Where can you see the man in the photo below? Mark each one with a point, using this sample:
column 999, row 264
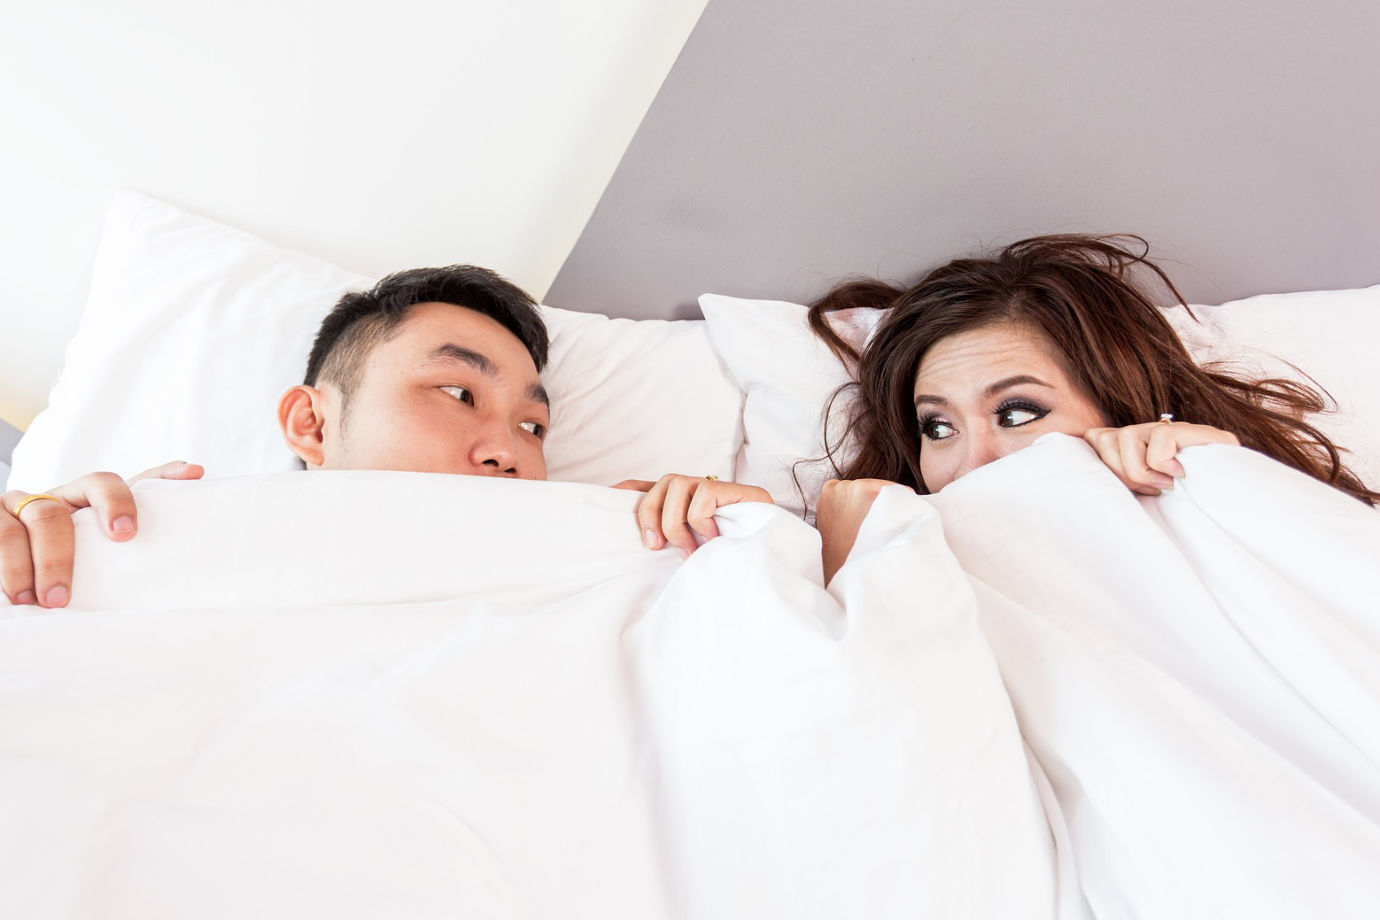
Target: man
column 432, row 370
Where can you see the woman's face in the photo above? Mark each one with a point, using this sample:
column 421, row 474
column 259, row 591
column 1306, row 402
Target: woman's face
column 983, row 394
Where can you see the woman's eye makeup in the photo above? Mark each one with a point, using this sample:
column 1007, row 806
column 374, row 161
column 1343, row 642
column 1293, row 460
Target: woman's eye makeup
column 460, row 393
column 1011, row 414
column 1017, row 412
column 935, row 428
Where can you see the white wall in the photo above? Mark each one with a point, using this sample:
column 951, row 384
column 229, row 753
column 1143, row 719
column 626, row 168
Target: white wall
column 431, row 133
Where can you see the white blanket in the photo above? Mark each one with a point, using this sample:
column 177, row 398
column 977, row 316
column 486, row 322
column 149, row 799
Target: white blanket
column 1198, row 674
column 362, row 695
column 403, row 695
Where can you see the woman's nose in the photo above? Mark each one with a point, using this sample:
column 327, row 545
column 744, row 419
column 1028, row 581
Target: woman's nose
column 983, row 447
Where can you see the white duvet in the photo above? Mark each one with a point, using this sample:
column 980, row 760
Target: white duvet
column 405, row 695
column 1198, row 675
column 402, row 695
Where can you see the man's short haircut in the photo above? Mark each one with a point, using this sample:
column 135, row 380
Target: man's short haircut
column 361, row 320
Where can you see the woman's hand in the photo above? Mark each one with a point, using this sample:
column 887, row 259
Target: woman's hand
column 37, row 545
column 843, row 503
column 676, row 507
column 1142, row 456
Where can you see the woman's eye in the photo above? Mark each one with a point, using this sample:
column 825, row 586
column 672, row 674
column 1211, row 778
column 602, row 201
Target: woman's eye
column 1016, row 416
column 460, row 393
column 936, row 429
column 533, row 428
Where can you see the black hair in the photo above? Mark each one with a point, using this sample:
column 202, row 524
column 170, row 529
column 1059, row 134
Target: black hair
column 363, row 319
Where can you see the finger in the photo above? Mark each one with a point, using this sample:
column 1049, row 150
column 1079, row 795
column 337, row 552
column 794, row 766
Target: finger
column 1162, row 447
column 1133, row 441
column 649, row 514
column 1108, row 446
column 676, row 508
column 1103, row 440
column 634, row 485
column 1194, row 435
column 16, row 566
column 177, row 469
column 708, row 497
column 51, row 544
column 110, row 496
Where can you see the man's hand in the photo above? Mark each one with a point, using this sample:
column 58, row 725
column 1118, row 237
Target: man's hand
column 37, row 545
column 676, row 508
column 843, row 503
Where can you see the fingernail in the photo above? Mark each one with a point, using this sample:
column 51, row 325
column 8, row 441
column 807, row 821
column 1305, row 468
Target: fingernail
column 122, row 524
column 649, row 538
column 56, row 596
column 26, row 597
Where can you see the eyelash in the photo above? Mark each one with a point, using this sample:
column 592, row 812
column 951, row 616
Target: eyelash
column 928, row 421
column 1037, row 410
column 468, row 398
column 1011, row 404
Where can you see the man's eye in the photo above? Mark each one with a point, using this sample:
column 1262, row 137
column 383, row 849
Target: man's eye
column 534, row 428
column 460, row 393
column 1014, row 415
column 936, row 429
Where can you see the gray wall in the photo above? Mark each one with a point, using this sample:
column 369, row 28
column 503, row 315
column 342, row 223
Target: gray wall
column 797, row 141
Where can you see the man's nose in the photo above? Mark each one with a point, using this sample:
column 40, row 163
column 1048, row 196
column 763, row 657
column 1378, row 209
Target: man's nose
column 494, row 452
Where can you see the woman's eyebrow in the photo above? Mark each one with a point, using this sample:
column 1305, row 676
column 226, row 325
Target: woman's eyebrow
column 1007, row 383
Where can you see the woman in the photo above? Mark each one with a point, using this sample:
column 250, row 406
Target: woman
column 981, row 356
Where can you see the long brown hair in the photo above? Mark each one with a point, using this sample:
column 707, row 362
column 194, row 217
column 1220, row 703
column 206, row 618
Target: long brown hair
column 1118, row 348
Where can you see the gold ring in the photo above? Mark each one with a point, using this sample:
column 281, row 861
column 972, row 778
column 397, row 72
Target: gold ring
column 712, row 478
column 1166, row 418
column 36, row 497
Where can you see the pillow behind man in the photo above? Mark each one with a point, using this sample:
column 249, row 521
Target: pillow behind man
column 193, row 330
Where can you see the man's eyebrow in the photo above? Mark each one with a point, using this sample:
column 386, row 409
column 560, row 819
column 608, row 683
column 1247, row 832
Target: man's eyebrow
column 452, row 352
column 1005, row 383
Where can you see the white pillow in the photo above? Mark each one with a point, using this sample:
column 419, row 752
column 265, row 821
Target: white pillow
column 193, row 330
column 788, row 374
column 1329, row 336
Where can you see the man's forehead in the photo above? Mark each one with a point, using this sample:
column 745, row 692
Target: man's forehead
column 429, row 326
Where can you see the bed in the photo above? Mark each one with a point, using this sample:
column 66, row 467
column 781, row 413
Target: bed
column 1034, row 694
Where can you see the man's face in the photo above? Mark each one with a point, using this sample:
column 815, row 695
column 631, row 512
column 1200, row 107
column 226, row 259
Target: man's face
column 452, row 391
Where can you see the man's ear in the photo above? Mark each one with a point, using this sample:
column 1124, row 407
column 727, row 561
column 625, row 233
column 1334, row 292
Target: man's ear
column 302, row 417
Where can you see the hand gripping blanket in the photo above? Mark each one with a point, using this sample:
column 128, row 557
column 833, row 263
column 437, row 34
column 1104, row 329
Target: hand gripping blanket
column 1198, row 674
column 404, row 695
